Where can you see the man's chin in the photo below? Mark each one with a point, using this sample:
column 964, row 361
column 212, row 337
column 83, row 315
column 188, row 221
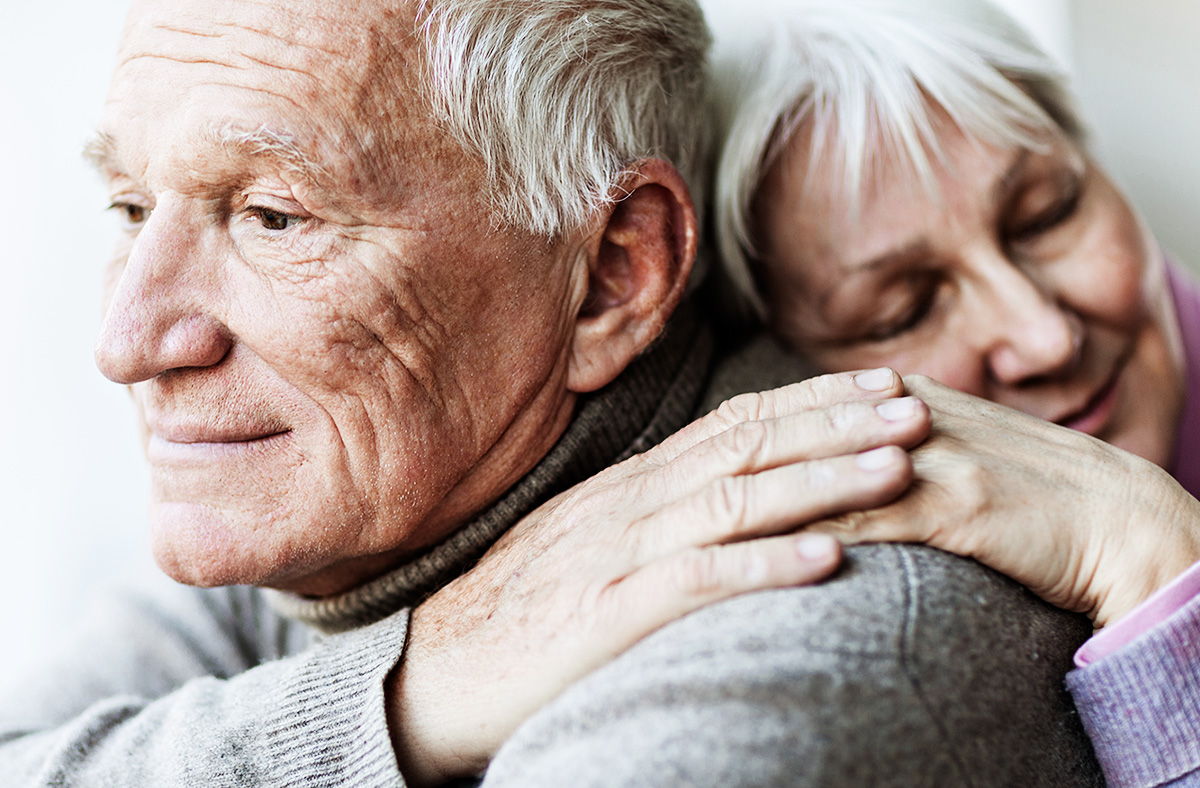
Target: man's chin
column 203, row 545
column 198, row 544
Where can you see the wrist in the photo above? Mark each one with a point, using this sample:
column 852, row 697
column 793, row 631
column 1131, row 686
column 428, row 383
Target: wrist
column 424, row 712
column 1160, row 541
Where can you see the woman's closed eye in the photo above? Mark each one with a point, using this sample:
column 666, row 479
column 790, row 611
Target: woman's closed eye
column 902, row 307
column 904, row 318
column 1036, row 216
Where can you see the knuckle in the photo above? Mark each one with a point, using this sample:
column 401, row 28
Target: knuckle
column 823, row 388
column 847, row 524
column 822, row 476
column 743, row 408
column 829, row 389
column 843, row 417
column 697, row 572
column 974, row 487
column 964, row 485
column 726, row 500
column 744, row 446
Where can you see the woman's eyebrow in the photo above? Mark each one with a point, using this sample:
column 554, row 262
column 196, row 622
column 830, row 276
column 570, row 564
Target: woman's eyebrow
column 1004, row 184
column 915, row 249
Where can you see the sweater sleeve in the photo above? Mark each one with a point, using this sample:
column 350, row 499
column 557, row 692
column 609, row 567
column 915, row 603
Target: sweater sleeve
column 911, row 668
column 1141, row 705
column 192, row 687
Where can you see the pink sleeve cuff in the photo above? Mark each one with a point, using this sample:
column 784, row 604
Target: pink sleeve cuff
column 1156, row 609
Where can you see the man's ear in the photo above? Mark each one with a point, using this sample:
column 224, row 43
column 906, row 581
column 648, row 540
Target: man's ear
column 638, row 267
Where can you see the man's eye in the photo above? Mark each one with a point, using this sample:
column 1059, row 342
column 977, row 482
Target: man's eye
column 132, row 215
column 275, row 221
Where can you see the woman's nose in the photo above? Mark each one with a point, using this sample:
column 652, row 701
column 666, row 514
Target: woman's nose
column 1033, row 335
column 158, row 316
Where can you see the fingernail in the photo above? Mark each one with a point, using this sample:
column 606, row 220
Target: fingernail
column 815, row 547
column 897, row 409
column 876, row 459
column 875, row 379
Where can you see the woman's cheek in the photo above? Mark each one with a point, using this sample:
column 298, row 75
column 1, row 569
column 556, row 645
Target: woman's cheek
column 1112, row 272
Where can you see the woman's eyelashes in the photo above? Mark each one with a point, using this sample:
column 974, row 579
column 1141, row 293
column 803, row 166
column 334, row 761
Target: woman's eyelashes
column 910, row 306
column 1030, row 223
column 902, row 306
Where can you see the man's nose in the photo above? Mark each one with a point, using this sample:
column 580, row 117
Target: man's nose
column 1032, row 335
column 158, row 317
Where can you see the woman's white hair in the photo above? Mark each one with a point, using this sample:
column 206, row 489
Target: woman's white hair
column 866, row 78
column 559, row 97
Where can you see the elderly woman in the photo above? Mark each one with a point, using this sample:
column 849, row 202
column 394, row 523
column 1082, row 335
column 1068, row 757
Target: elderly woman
column 910, row 186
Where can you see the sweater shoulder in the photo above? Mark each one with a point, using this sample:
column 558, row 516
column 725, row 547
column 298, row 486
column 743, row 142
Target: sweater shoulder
column 911, row 667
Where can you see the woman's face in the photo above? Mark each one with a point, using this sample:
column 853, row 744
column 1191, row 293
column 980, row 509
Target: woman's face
column 1027, row 280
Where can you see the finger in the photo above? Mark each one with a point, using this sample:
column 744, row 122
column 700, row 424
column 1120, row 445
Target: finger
column 945, row 400
column 845, row 428
column 897, row 522
column 805, row 395
column 740, row 507
column 681, row 583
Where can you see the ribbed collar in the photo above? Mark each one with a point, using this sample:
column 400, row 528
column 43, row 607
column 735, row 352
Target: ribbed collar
column 654, row 397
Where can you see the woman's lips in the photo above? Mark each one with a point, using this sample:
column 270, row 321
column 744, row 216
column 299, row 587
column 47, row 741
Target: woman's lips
column 1095, row 414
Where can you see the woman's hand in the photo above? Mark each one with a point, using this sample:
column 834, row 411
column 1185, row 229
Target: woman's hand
column 1086, row 526
column 594, row 570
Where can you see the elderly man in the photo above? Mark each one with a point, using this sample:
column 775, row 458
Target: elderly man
column 395, row 274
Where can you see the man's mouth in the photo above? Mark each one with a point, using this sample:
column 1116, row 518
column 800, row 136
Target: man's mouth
column 179, row 440
column 193, row 437
column 200, row 451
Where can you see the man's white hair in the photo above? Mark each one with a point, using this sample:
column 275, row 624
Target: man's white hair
column 867, row 79
column 559, row 97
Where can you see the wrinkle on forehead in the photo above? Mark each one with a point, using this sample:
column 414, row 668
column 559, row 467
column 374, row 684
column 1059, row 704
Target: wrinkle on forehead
column 320, row 46
column 331, row 91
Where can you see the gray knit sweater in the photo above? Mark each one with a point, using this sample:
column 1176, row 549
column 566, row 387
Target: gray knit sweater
column 911, row 668
column 174, row 686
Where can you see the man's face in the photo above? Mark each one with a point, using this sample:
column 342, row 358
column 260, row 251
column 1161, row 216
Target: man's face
column 336, row 357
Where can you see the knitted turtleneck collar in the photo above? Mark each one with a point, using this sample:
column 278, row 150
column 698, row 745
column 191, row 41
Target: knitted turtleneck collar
column 654, row 397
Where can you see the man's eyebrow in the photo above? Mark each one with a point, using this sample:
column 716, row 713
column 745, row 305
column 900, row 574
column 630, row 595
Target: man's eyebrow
column 269, row 143
column 100, row 151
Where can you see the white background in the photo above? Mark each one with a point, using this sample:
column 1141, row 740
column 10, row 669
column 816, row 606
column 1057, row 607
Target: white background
column 71, row 484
